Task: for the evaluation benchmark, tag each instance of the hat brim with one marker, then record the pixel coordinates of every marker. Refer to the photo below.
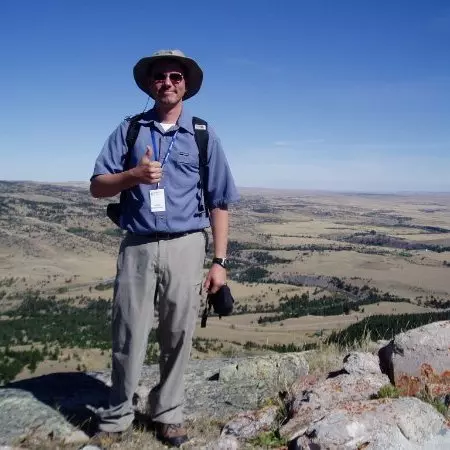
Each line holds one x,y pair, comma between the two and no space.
194,74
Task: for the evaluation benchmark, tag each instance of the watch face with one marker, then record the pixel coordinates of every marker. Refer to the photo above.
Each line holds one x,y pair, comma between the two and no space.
220,261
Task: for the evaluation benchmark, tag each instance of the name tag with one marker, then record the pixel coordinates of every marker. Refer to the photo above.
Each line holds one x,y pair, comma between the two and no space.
157,200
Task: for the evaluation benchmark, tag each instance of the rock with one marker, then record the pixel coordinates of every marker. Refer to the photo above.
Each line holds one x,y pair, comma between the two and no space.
71,393
337,412
23,416
77,437
361,363
439,442
329,412
282,369
79,395
419,359
249,424
312,399
224,443
387,424
387,442
223,387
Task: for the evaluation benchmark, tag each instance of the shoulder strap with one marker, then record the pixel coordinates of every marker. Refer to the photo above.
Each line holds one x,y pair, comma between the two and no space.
132,134
201,138
130,139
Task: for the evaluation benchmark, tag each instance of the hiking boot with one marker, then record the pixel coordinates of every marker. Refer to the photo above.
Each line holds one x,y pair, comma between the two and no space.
173,434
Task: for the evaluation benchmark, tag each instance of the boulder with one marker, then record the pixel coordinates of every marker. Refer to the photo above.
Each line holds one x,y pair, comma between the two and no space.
343,411
387,424
249,424
223,443
359,363
312,398
281,370
23,417
419,360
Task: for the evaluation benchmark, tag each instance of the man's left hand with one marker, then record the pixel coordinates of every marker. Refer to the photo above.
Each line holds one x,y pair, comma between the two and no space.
216,278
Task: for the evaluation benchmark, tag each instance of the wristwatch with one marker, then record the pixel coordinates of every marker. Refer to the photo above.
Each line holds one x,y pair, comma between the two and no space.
221,261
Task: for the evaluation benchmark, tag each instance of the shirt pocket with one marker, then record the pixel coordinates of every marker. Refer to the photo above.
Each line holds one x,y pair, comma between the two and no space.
187,160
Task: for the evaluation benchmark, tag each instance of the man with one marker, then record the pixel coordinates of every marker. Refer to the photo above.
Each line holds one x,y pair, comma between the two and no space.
162,256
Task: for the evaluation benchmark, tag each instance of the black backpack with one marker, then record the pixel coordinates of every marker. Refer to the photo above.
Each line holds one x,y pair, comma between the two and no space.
113,210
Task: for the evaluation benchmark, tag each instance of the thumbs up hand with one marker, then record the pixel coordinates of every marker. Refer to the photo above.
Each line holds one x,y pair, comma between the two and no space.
148,171
148,156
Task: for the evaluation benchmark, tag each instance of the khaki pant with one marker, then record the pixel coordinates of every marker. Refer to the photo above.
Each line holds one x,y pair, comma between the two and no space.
169,271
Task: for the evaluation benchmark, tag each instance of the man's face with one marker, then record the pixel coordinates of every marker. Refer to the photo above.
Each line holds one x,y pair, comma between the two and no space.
167,82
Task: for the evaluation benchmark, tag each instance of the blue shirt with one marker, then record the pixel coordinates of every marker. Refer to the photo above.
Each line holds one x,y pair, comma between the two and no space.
185,210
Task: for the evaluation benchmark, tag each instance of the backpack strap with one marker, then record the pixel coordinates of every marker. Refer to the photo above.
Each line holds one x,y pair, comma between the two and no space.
201,138
132,134
130,139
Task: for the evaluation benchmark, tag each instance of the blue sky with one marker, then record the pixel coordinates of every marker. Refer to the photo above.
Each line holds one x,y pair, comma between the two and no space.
334,95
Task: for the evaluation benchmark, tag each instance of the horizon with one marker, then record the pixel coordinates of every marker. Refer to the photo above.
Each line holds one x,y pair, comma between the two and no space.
321,95
260,188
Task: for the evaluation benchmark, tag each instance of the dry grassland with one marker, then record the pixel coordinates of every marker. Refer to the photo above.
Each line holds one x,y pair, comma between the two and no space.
70,360
243,328
74,249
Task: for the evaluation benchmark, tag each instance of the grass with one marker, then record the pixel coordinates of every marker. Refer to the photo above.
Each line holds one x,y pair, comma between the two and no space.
269,439
325,359
201,432
390,391
387,391
328,356
435,403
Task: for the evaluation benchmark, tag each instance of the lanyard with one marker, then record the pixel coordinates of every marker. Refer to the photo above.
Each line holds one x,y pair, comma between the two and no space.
156,149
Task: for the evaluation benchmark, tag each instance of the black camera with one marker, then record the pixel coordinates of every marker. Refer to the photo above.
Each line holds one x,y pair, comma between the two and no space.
221,302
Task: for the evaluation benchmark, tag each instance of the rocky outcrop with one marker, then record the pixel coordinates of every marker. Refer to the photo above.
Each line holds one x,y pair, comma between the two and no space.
313,398
341,409
250,424
388,424
281,371
21,414
419,359
218,388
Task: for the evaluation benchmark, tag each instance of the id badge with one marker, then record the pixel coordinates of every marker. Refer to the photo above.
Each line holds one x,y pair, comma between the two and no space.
157,200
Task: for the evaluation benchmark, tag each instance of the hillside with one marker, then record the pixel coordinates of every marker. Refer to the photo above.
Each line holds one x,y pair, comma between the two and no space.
304,264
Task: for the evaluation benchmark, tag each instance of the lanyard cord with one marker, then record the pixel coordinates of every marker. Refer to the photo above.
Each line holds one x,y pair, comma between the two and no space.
156,150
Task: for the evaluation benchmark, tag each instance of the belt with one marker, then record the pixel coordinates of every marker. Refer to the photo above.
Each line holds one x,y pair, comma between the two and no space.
163,236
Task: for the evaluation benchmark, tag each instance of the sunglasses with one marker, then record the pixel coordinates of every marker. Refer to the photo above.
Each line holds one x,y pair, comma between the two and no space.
174,77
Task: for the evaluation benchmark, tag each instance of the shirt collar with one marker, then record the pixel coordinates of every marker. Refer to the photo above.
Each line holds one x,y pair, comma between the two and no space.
184,121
